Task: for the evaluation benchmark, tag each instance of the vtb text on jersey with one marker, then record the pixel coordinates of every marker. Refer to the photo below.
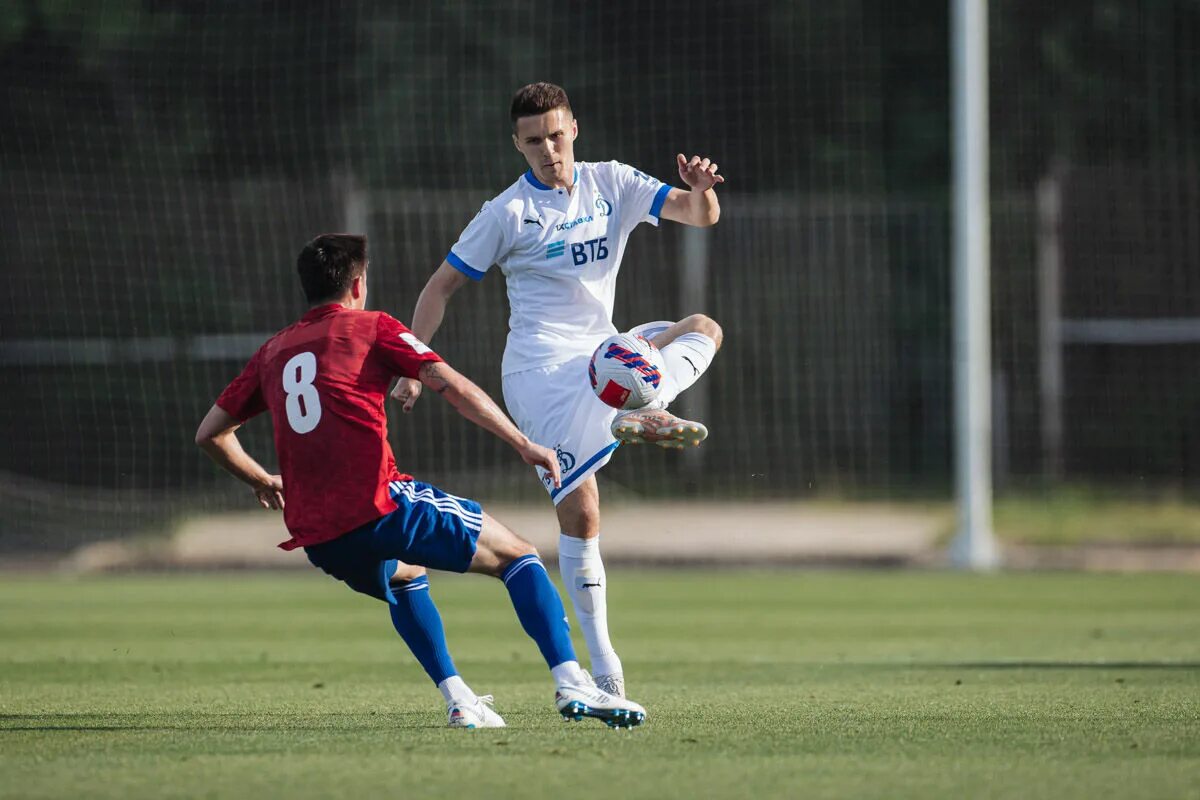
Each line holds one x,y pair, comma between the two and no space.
560,253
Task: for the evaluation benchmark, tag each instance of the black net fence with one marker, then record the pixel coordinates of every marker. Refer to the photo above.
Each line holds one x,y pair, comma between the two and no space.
162,164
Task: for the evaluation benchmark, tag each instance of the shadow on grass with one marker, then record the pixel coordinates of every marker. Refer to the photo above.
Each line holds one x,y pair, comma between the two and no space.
82,728
236,723
1095,665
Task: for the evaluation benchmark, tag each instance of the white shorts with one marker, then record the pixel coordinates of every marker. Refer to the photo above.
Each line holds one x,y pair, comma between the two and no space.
556,407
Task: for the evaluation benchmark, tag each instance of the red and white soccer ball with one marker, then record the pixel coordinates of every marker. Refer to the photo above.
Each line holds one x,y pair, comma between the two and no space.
625,371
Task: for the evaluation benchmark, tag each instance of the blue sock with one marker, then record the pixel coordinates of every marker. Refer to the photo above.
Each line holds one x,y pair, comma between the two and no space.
418,622
539,608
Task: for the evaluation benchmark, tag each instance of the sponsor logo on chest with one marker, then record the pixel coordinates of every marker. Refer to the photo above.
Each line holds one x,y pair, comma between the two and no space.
566,226
581,252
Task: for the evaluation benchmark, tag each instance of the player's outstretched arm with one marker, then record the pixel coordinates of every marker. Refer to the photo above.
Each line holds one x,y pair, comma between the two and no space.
217,436
431,304
475,404
427,318
699,206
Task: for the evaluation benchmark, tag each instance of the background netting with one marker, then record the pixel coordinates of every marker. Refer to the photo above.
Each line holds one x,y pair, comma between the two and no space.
164,162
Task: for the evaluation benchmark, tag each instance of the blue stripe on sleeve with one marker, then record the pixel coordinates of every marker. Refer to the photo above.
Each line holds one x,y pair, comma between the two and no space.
463,267
659,199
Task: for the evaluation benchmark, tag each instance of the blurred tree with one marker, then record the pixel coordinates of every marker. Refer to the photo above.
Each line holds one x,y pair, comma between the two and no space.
228,88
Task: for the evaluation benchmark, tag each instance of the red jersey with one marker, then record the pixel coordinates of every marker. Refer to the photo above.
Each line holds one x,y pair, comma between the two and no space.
324,379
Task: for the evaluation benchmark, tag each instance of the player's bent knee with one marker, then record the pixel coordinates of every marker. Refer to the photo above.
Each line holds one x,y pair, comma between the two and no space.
518,548
497,547
716,334
702,323
579,512
712,330
406,572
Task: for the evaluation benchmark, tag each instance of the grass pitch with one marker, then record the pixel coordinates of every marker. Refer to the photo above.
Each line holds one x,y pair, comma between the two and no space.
758,684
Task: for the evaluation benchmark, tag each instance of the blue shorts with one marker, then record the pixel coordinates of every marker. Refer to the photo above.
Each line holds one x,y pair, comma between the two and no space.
429,528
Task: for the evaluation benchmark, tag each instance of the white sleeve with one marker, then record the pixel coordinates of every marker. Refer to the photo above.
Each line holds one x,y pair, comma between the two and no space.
641,196
479,246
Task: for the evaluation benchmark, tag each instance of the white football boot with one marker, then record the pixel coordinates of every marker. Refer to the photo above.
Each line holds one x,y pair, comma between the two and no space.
614,684
657,426
584,699
477,713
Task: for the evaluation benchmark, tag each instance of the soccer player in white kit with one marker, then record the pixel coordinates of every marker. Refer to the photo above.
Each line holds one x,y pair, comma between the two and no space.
558,234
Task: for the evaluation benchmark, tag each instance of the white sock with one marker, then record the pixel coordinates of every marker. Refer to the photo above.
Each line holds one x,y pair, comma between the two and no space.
568,672
454,689
684,361
583,575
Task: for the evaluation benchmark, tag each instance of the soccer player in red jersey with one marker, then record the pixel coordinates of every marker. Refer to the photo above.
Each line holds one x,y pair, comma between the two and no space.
323,379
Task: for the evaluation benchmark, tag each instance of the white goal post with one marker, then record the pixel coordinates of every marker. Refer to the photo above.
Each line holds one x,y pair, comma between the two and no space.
974,545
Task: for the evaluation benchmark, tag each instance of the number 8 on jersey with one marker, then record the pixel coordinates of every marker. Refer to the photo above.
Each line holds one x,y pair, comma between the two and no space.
303,403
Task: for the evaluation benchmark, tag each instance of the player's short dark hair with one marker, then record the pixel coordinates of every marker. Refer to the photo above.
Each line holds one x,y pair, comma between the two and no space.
330,263
536,99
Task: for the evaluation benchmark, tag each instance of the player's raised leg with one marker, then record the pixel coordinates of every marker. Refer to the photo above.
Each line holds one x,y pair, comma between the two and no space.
688,348
501,553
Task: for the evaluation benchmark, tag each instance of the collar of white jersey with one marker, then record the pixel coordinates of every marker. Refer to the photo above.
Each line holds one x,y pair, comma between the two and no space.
535,183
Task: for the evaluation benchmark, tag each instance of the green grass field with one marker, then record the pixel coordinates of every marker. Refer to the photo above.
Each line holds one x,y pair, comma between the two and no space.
758,684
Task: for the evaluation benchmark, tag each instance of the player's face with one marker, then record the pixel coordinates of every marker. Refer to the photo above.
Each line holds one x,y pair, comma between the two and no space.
548,143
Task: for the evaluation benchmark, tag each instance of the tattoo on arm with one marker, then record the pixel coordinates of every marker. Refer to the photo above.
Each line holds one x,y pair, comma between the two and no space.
431,376
470,401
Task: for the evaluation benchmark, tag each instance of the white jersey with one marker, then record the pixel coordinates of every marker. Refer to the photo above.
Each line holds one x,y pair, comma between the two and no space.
560,253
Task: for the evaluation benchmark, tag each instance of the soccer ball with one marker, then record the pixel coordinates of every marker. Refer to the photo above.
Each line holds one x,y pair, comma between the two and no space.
625,372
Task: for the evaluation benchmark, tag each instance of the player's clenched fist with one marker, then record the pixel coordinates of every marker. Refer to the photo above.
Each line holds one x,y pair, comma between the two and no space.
406,390
698,173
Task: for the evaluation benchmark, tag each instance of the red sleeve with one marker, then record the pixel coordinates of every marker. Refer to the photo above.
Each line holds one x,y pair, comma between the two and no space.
402,352
243,398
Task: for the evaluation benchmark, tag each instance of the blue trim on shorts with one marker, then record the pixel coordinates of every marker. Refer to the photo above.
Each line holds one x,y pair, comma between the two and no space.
433,529
554,493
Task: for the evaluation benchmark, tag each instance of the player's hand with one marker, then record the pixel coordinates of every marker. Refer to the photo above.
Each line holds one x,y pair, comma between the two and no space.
698,173
270,494
406,390
537,456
